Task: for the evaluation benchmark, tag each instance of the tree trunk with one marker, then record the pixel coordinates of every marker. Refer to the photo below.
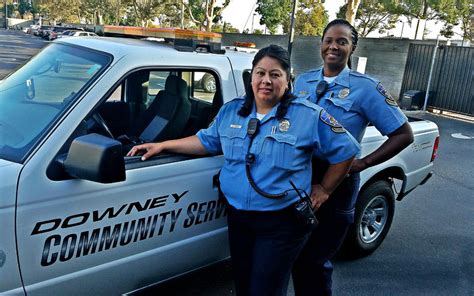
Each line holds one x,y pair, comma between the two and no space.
352,6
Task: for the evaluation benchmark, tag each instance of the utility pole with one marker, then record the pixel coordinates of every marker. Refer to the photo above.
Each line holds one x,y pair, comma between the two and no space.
182,15
253,16
292,28
431,74
6,14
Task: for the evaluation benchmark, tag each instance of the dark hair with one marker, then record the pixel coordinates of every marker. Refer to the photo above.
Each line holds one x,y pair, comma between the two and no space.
354,34
281,55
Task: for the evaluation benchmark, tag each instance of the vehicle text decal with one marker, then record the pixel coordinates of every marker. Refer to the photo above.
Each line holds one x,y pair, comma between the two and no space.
61,247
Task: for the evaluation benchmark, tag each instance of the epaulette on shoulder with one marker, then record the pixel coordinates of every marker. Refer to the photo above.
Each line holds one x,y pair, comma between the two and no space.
304,101
235,100
364,76
309,72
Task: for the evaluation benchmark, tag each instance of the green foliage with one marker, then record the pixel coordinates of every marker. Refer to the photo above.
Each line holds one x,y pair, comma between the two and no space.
450,12
311,18
274,13
373,16
23,8
465,10
224,28
204,13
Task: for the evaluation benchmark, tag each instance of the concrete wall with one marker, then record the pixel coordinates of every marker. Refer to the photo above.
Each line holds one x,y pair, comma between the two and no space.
18,23
386,58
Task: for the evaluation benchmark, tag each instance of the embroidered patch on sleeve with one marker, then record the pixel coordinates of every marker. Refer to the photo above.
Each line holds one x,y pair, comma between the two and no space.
331,121
388,97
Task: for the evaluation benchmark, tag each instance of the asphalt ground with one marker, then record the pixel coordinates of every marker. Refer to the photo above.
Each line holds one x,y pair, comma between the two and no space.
16,48
428,251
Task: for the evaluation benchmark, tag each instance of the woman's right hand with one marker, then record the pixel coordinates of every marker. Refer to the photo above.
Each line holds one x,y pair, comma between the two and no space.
148,150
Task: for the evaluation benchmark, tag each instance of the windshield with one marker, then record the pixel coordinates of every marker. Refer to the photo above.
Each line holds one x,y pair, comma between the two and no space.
32,98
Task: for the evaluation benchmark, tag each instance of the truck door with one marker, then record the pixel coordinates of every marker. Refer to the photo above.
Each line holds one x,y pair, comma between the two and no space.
166,218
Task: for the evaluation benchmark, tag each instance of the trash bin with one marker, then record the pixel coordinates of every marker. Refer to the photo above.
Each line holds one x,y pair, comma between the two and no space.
413,100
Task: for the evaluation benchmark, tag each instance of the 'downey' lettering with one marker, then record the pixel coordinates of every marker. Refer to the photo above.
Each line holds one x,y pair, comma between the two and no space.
97,216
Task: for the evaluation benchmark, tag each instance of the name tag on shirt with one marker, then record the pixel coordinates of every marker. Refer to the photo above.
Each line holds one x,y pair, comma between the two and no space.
235,126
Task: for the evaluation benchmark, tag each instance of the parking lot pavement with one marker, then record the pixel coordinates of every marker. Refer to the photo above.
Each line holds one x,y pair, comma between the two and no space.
16,48
428,251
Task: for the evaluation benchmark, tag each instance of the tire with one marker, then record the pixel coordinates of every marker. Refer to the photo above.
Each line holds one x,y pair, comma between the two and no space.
374,212
209,83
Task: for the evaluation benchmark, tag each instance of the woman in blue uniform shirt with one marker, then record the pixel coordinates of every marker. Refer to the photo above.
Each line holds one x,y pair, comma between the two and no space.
354,99
265,235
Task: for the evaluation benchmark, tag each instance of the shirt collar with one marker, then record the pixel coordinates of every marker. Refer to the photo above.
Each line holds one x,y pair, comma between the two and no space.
341,79
269,115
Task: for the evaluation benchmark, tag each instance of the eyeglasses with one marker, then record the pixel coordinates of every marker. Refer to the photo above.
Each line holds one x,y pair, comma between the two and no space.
321,89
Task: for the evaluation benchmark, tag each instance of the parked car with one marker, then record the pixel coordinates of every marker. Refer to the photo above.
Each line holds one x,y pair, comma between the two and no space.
75,33
79,217
40,30
53,33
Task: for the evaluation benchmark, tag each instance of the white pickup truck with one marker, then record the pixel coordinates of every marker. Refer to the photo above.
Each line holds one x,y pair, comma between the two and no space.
79,218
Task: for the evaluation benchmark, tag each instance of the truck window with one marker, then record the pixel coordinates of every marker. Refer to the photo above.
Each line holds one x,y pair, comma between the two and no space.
43,90
157,105
204,86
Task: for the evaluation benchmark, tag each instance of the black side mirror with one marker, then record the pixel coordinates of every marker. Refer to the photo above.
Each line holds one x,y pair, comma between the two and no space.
95,158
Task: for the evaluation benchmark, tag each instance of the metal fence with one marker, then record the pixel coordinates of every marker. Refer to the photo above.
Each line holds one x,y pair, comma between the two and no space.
452,82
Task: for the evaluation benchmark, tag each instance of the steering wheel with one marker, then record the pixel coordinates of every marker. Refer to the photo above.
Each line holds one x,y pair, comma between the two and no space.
101,123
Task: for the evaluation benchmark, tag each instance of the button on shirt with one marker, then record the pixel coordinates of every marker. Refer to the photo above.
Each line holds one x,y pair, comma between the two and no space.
354,99
283,150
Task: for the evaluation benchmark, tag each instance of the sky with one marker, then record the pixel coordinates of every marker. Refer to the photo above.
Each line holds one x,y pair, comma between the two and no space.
240,14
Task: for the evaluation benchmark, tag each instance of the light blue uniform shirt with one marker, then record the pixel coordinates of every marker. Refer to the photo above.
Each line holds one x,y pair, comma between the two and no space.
355,100
283,150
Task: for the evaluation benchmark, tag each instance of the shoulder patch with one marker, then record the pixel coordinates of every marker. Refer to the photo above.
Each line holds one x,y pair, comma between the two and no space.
388,97
331,121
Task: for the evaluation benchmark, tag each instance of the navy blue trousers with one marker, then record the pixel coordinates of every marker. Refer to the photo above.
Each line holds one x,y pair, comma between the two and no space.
312,271
263,248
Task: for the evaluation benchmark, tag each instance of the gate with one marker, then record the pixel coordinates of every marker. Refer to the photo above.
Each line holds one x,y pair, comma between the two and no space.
452,82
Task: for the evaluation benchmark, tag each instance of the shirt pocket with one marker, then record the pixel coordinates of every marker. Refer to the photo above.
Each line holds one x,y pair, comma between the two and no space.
345,103
281,150
232,141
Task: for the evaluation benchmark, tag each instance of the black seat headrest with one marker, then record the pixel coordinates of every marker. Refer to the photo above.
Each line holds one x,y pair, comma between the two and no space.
176,86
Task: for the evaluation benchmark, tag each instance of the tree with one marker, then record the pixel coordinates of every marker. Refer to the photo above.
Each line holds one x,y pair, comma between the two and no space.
374,15
465,9
459,13
311,18
144,10
424,9
23,8
274,13
204,13
60,10
224,28
351,11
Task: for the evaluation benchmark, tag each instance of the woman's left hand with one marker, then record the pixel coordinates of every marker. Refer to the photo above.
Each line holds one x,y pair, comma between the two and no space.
318,196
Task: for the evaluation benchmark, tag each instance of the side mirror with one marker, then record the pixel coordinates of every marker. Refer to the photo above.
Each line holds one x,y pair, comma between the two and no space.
95,158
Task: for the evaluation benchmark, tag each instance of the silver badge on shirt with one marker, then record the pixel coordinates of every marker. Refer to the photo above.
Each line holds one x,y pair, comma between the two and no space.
343,93
284,125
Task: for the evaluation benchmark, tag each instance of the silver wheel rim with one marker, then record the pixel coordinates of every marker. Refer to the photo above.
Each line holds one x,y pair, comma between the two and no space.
374,219
210,85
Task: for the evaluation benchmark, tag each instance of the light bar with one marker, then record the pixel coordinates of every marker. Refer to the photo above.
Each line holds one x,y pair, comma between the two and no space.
184,40
245,44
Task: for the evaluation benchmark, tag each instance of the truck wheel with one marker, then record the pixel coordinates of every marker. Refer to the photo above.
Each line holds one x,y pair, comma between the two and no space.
209,83
373,217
